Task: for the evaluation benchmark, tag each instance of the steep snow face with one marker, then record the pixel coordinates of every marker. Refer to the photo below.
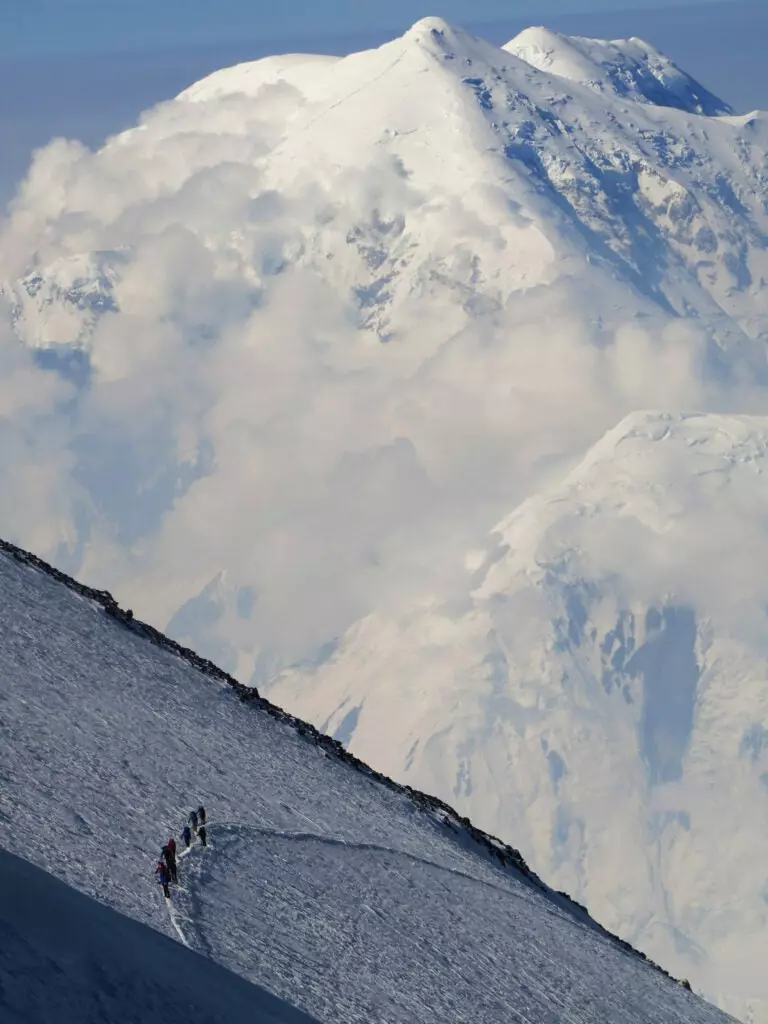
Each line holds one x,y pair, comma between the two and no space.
332,890
628,68
599,690
69,959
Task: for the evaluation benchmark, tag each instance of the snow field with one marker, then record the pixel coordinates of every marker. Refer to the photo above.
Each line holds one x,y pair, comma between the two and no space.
356,919
66,959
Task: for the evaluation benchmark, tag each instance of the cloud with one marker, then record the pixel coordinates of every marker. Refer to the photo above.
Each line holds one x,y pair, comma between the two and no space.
36,462
240,414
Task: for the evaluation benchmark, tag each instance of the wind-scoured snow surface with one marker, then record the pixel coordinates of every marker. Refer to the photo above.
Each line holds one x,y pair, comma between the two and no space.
333,891
66,959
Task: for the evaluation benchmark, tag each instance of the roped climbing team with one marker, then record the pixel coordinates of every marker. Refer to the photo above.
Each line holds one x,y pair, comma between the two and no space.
167,871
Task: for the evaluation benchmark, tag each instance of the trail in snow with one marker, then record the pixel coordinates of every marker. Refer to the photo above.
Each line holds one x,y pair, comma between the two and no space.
323,912
234,827
172,914
67,959
111,734
186,896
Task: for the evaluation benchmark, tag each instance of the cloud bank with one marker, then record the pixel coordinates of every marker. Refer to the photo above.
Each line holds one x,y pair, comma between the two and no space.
231,406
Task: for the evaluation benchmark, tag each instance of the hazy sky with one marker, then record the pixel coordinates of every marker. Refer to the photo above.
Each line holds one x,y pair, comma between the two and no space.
50,26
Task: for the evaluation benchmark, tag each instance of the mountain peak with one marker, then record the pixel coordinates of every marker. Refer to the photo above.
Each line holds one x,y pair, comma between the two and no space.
430,27
629,68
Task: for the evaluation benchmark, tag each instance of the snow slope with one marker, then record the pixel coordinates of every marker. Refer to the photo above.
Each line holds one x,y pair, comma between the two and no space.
294,343
66,959
599,692
334,889
625,68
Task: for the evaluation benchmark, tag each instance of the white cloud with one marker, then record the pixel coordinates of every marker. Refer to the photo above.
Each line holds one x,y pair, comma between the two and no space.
240,416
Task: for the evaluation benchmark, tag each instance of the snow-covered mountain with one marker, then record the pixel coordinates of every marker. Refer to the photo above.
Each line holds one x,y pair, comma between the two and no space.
335,890
533,230
471,174
277,358
599,689
628,68
63,303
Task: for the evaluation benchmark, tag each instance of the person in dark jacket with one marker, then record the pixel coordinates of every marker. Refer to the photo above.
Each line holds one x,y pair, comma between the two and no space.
203,834
163,878
186,835
170,859
201,814
193,821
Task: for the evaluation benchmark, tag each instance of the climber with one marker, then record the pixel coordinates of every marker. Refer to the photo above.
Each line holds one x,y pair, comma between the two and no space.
193,821
201,814
203,834
186,835
169,855
163,878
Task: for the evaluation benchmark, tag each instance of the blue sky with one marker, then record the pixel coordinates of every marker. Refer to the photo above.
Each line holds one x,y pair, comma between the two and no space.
37,27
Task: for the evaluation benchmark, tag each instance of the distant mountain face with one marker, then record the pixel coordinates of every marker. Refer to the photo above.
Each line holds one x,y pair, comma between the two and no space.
599,688
348,312
295,343
628,69
517,167
61,306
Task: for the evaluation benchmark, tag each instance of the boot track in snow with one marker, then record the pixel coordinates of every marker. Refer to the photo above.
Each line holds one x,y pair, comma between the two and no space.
198,867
